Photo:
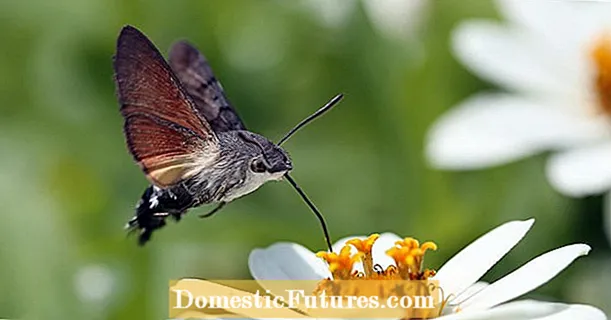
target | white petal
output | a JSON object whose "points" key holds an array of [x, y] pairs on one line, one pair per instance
{"points": [[286, 261], [527, 278], [577, 311], [518, 310], [511, 59], [468, 293], [470, 264], [566, 25], [493, 129], [582, 171], [528, 13]]}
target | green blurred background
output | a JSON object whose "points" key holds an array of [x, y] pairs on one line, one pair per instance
{"points": [[68, 185]]}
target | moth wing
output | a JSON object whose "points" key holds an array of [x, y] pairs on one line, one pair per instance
{"points": [[197, 77], [164, 134]]}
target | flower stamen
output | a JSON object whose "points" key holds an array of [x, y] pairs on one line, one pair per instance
{"points": [[341, 264], [409, 257], [364, 247]]}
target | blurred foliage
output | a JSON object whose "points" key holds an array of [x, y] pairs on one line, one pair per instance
{"points": [[68, 184]]}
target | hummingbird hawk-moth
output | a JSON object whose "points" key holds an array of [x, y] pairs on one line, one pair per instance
{"points": [[187, 138]]}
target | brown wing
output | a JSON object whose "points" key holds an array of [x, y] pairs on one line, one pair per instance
{"points": [[163, 132], [196, 76]]}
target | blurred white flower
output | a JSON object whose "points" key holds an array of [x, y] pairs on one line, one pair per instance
{"points": [[94, 284], [467, 298], [554, 59], [396, 19], [331, 13]]}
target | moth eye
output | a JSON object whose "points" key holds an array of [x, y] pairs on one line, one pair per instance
{"points": [[257, 165]]}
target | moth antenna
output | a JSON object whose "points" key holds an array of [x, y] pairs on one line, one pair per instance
{"points": [[313, 116], [319, 215]]}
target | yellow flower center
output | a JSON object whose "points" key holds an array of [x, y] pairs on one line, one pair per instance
{"points": [[601, 56], [408, 255]]}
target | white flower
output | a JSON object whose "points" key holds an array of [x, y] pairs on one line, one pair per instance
{"points": [[395, 19], [458, 277], [95, 284], [554, 60]]}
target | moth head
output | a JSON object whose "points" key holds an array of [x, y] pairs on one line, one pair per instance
{"points": [[268, 157]]}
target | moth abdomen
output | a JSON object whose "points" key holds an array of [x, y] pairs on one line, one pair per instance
{"points": [[154, 207]]}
